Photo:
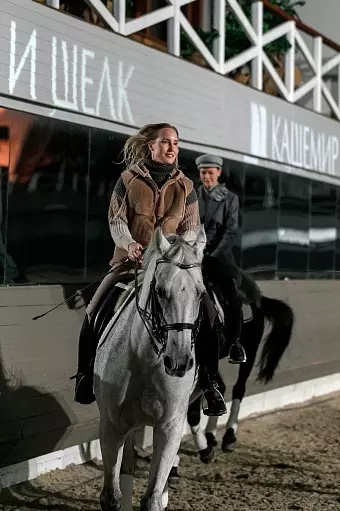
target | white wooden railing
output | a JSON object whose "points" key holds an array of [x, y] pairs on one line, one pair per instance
{"points": [[255, 56]]}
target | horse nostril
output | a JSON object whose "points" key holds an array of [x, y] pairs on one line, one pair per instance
{"points": [[167, 362], [191, 363]]}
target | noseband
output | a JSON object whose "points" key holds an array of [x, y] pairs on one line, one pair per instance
{"points": [[153, 317]]}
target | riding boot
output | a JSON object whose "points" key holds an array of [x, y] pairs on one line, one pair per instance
{"points": [[84, 377], [215, 404], [233, 325]]}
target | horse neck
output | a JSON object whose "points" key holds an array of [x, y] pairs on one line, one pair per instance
{"points": [[148, 276]]}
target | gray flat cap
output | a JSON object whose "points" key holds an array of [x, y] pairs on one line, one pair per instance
{"points": [[209, 161]]}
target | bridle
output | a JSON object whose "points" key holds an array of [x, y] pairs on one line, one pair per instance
{"points": [[153, 317]]}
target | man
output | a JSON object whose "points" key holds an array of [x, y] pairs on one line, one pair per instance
{"points": [[219, 212]]}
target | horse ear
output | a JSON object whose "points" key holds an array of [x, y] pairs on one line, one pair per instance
{"points": [[200, 243], [162, 243]]}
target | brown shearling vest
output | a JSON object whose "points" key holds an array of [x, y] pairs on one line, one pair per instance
{"points": [[148, 206]]}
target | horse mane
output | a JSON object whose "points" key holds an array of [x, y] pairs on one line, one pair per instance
{"points": [[180, 251]]}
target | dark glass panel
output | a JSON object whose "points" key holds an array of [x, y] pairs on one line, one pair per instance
{"points": [[323, 230], [105, 169], [294, 224], [260, 221], [47, 180]]}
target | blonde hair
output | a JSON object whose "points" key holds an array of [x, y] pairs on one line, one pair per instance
{"points": [[136, 148]]}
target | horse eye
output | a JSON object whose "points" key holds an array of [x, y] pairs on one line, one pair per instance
{"points": [[160, 293]]}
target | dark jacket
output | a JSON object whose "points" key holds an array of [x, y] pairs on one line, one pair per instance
{"points": [[219, 212]]}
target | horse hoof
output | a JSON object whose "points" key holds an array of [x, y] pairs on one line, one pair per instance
{"points": [[211, 439], [229, 441], [207, 455], [174, 477], [108, 502]]}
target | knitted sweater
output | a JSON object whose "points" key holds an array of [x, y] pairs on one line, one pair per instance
{"points": [[138, 206]]}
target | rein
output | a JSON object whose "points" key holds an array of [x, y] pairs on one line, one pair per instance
{"points": [[153, 318]]}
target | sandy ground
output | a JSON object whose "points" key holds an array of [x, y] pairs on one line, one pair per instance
{"points": [[289, 460]]}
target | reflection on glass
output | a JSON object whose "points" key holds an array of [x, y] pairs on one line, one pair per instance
{"points": [[46, 182], [294, 225], [260, 221], [235, 183], [8, 268], [322, 232], [337, 242], [104, 172]]}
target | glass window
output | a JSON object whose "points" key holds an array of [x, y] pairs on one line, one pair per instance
{"points": [[337, 243], [5, 259], [260, 221], [187, 164], [105, 169], [323, 230], [294, 225], [46, 182], [234, 179]]}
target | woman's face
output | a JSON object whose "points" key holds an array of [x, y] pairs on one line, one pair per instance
{"points": [[209, 176], [165, 148]]}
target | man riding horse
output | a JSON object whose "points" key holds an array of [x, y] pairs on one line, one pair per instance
{"points": [[219, 212]]}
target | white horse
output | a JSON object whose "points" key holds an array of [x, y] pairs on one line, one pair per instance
{"points": [[145, 368]]}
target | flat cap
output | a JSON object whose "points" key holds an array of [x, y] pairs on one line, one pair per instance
{"points": [[209, 161]]}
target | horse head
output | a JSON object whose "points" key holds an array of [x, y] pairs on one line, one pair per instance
{"points": [[173, 287]]}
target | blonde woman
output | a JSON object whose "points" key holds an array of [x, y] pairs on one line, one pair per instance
{"points": [[151, 191]]}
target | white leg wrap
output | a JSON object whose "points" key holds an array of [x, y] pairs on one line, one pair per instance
{"points": [[234, 413], [199, 438]]}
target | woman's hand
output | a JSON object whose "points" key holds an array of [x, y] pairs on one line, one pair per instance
{"points": [[135, 251]]}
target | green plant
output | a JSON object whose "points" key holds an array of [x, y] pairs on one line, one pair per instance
{"points": [[236, 39], [130, 9], [207, 36]]}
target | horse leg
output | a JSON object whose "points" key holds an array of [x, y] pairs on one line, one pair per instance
{"points": [[127, 473], [211, 429], [174, 476], [205, 451], [250, 341], [166, 443], [112, 446]]}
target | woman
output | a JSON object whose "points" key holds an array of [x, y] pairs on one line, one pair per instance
{"points": [[151, 192], [219, 211]]}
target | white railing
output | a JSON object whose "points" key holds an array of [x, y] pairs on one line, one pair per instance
{"points": [[255, 56]]}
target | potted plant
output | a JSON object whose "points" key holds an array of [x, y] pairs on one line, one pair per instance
{"points": [[130, 10], [237, 42], [189, 50]]}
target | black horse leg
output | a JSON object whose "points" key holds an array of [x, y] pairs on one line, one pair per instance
{"points": [[205, 451], [251, 337]]}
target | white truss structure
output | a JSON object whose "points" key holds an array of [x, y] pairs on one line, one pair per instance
{"points": [[255, 55]]}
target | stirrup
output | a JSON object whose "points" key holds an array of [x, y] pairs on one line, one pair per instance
{"points": [[223, 407], [240, 352]]}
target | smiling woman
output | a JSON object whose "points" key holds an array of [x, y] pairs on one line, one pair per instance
{"points": [[152, 192]]}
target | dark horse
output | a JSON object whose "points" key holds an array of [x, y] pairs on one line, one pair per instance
{"points": [[281, 318]]}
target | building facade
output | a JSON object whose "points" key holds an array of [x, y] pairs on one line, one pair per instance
{"points": [[69, 97]]}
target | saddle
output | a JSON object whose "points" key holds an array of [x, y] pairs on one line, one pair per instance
{"points": [[247, 311], [112, 303]]}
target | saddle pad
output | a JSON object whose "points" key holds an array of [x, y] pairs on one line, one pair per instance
{"points": [[123, 300], [246, 311]]}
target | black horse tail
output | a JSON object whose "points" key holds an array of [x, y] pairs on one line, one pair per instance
{"points": [[281, 317]]}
